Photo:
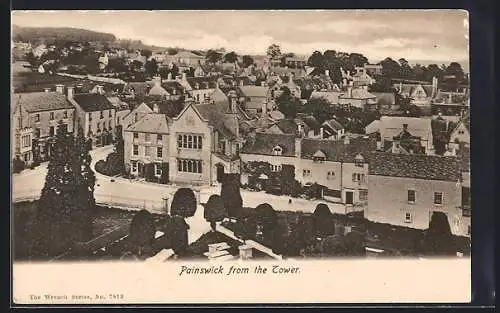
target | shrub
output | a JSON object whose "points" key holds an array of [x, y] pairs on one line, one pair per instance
{"points": [[18, 165], [100, 167], [214, 210], [323, 221], [142, 232], [183, 203], [177, 231], [230, 194]]}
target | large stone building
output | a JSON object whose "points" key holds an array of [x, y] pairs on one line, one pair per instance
{"points": [[35, 118], [406, 189]]}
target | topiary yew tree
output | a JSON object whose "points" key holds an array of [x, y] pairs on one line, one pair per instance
{"points": [[183, 203], [230, 194], [64, 209], [323, 221], [142, 232], [214, 210], [438, 239]]}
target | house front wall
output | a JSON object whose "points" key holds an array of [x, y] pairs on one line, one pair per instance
{"points": [[190, 123], [95, 125], [388, 202], [142, 144], [309, 171], [45, 122], [460, 134], [353, 184]]}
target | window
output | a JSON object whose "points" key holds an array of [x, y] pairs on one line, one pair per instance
{"points": [[408, 217], [37, 117], [98, 126], [102, 114], [411, 196], [159, 138], [356, 177], [438, 198], [26, 141], [275, 168], [37, 132], [157, 169], [363, 195], [136, 135], [277, 150], [319, 159], [147, 138], [468, 230], [136, 117], [51, 116], [134, 166], [118, 120], [189, 141], [90, 116], [136, 150], [110, 114], [65, 114], [330, 175], [19, 122], [51, 131], [237, 149], [306, 173], [189, 166], [159, 152]]}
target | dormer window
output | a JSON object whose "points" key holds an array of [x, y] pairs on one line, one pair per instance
{"points": [[277, 150], [319, 157], [359, 160]]}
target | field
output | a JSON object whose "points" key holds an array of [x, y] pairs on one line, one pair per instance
{"points": [[24, 79]]}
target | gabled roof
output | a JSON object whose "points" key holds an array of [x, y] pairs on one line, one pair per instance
{"points": [[287, 126], [158, 90], [264, 143], [410, 88], [40, 101], [151, 123], [333, 124], [419, 166], [390, 126], [215, 113], [92, 102], [337, 150], [358, 93], [255, 91]]}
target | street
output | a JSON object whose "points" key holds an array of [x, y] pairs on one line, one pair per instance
{"points": [[131, 194]]}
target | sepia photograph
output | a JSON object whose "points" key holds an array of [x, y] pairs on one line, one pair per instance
{"points": [[225, 138]]}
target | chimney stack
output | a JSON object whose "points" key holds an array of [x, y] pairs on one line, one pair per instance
{"points": [[264, 109], [169, 76], [405, 127], [327, 73], [156, 109], [71, 91], [184, 76], [100, 89], [60, 89], [379, 142]]}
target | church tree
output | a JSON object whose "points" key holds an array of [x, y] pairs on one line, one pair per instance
{"points": [[67, 198]]}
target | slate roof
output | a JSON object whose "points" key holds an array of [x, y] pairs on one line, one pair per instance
{"points": [[264, 144], [287, 126], [333, 124], [215, 113], [155, 123], [92, 102], [40, 101], [255, 91], [390, 126], [337, 150], [417, 166]]}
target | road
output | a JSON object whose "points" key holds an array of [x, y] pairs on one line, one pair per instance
{"points": [[131, 194]]}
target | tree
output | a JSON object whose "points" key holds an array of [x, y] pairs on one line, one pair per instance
{"points": [[231, 57], [438, 239], [406, 70], [213, 56], [357, 59], [456, 73], [151, 67], [266, 218], [31, 59], [136, 66], [230, 194], [354, 244], [273, 51], [64, 209], [142, 233], [320, 108], [323, 221], [286, 103], [214, 210], [146, 53], [119, 147], [183, 203], [289, 185], [178, 233], [172, 51], [433, 70], [390, 68], [247, 61], [17, 164], [302, 235], [316, 60]]}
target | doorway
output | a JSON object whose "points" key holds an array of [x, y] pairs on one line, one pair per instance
{"points": [[219, 172], [349, 197]]}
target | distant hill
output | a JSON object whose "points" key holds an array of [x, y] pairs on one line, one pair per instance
{"points": [[50, 34]]}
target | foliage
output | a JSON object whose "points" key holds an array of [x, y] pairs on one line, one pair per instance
{"points": [[18, 165], [183, 203], [151, 67], [214, 210], [266, 216], [52, 34], [287, 104], [273, 51], [213, 56], [63, 211], [177, 231], [146, 53], [438, 239], [231, 57], [323, 221], [247, 61], [142, 232], [230, 194], [320, 108], [289, 185]]}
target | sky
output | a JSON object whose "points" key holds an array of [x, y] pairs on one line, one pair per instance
{"points": [[423, 35]]}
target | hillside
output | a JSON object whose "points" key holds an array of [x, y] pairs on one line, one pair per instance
{"points": [[50, 34]]}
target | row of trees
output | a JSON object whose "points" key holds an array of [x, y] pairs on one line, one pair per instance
{"points": [[213, 56]]}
